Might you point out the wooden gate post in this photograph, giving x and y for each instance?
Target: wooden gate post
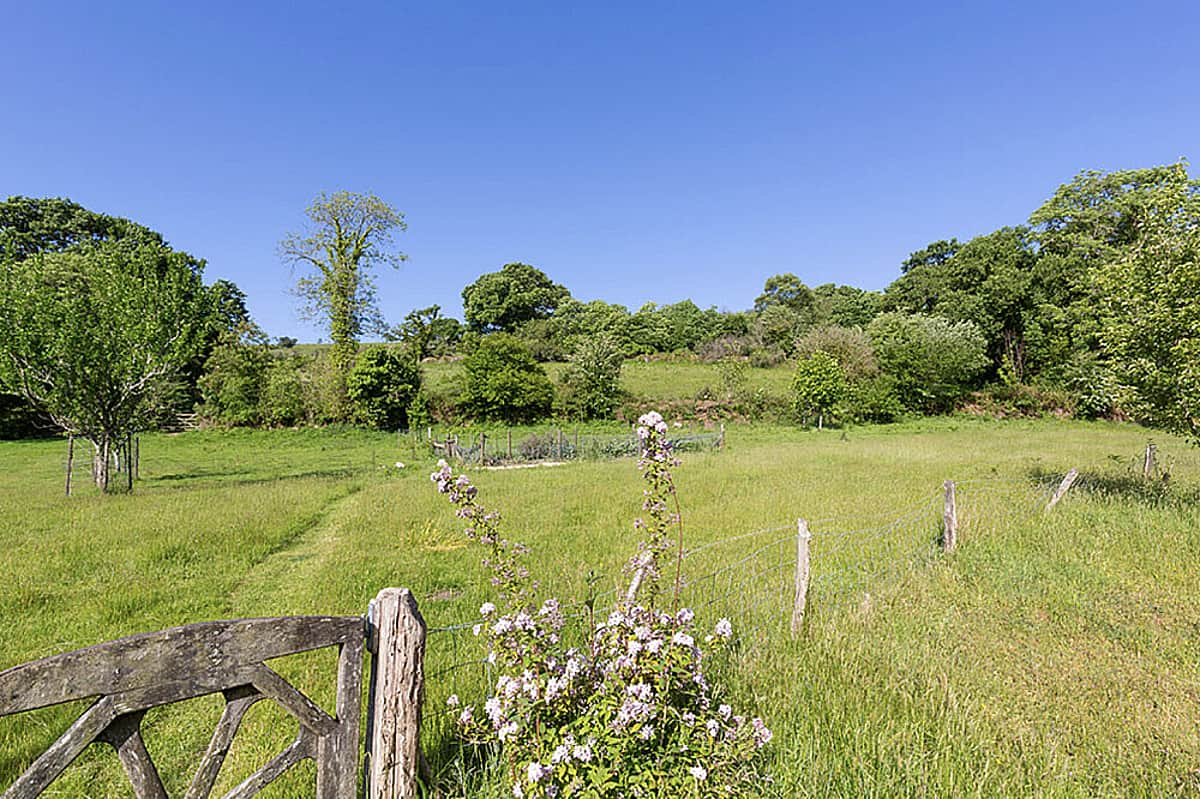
(397, 635)
(800, 596)
(949, 519)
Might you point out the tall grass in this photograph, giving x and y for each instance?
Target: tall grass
(1049, 656)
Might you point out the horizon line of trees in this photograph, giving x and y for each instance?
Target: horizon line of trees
(1096, 296)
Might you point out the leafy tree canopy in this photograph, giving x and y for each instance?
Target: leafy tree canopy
(97, 335)
(347, 235)
(1151, 294)
(786, 290)
(505, 299)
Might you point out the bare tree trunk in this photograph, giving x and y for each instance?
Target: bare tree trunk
(100, 461)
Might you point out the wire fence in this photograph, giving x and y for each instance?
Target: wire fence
(505, 448)
(750, 579)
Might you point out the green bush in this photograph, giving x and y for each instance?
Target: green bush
(593, 377)
(504, 382)
(284, 399)
(381, 387)
(934, 361)
(819, 385)
(235, 375)
(849, 346)
(874, 400)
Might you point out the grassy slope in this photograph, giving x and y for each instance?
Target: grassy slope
(1050, 656)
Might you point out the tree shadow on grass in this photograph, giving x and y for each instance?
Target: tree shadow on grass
(1124, 483)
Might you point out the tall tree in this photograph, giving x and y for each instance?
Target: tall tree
(787, 290)
(504, 300)
(1151, 297)
(97, 335)
(347, 235)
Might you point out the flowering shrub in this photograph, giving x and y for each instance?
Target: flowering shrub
(630, 713)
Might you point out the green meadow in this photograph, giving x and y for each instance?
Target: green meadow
(1051, 655)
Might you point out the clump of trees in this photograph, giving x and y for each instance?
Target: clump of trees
(104, 328)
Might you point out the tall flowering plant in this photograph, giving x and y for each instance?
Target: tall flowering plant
(630, 713)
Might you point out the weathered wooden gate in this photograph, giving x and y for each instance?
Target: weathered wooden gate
(134, 675)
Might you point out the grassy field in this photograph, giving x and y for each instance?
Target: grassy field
(1052, 656)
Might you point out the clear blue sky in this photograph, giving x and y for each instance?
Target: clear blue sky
(634, 151)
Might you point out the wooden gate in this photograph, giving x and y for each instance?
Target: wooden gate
(134, 675)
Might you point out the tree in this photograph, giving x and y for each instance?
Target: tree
(425, 332)
(1151, 293)
(819, 385)
(235, 378)
(96, 336)
(593, 377)
(787, 290)
(504, 382)
(347, 236)
(382, 386)
(933, 360)
(503, 300)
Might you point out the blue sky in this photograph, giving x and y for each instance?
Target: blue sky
(635, 152)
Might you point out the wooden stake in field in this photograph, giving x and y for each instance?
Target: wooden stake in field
(1062, 489)
(397, 637)
(1148, 462)
(509, 444)
(949, 519)
(800, 595)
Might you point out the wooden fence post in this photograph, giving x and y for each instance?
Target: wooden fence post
(949, 519)
(137, 457)
(129, 461)
(509, 431)
(397, 635)
(800, 597)
(560, 442)
(721, 439)
(1062, 489)
(70, 461)
(1148, 463)
(482, 448)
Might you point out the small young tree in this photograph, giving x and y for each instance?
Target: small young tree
(382, 386)
(819, 385)
(348, 235)
(504, 382)
(593, 377)
(96, 336)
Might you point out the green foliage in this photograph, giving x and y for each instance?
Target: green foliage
(286, 396)
(593, 377)
(1094, 387)
(788, 291)
(425, 333)
(818, 386)
(381, 386)
(874, 400)
(933, 361)
(1152, 296)
(849, 346)
(505, 299)
(348, 234)
(235, 378)
(504, 382)
(96, 336)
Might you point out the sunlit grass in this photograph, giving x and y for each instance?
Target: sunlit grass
(1049, 656)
